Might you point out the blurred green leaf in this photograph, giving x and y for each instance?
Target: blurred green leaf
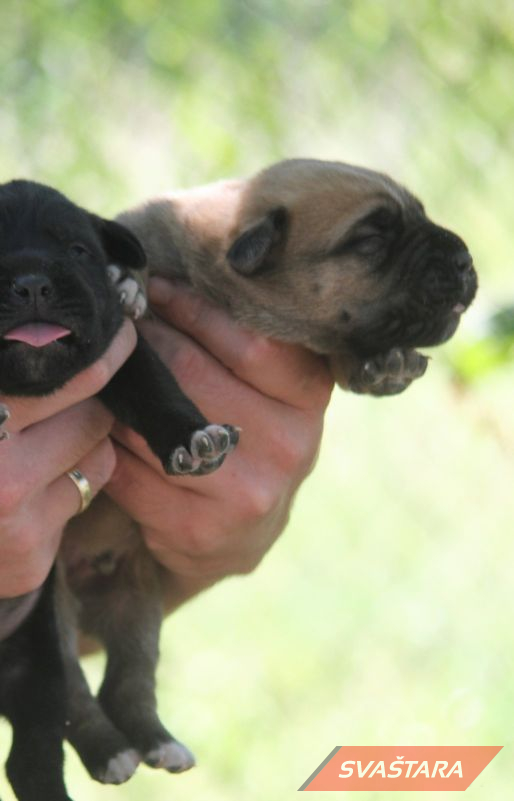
(491, 348)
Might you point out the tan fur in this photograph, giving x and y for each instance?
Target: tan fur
(187, 235)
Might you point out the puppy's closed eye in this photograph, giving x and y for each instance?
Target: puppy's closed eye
(79, 251)
(366, 244)
(372, 234)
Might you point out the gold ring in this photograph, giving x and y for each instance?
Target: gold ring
(84, 488)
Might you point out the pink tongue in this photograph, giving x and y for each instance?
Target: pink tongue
(37, 334)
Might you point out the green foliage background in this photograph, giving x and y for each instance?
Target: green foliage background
(383, 615)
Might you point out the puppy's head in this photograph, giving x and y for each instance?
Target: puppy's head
(58, 308)
(345, 257)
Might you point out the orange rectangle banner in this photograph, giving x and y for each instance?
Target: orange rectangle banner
(397, 768)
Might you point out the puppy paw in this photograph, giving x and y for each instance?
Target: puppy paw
(132, 296)
(207, 450)
(119, 768)
(4, 416)
(389, 373)
(170, 755)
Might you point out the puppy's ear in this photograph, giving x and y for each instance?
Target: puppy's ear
(121, 245)
(257, 248)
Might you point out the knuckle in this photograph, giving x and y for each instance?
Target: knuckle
(188, 363)
(105, 463)
(193, 308)
(95, 421)
(259, 350)
(98, 374)
(204, 544)
(248, 564)
(295, 449)
(108, 463)
(293, 454)
(257, 500)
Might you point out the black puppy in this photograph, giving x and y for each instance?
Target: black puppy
(59, 311)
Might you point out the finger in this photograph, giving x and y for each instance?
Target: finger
(283, 371)
(27, 410)
(203, 537)
(31, 544)
(272, 432)
(200, 374)
(61, 441)
(149, 497)
(169, 502)
(96, 466)
(164, 504)
(269, 426)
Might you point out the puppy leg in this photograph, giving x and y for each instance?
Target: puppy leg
(103, 749)
(144, 395)
(128, 622)
(34, 703)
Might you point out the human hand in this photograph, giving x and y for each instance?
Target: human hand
(49, 436)
(202, 529)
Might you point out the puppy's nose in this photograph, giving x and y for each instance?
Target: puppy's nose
(463, 264)
(31, 288)
(463, 261)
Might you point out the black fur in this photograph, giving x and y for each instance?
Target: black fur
(433, 276)
(53, 269)
(32, 699)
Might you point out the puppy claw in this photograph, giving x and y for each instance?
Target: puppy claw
(4, 416)
(202, 446)
(416, 363)
(219, 435)
(370, 373)
(4, 413)
(172, 756)
(114, 272)
(119, 768)
(181, 462)
(395, 362)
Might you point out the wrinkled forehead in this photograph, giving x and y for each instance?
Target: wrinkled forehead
(327, 190)
(27, 215)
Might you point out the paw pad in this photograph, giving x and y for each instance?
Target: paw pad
(172, 756)
(207, 450)
(119, 768)
(391, 372)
